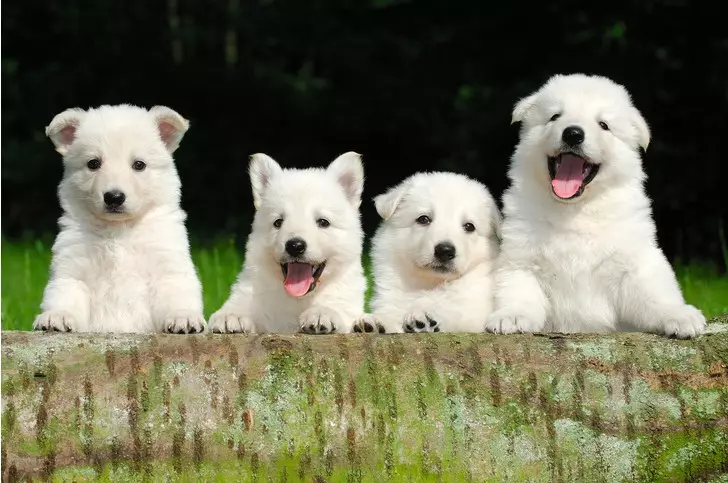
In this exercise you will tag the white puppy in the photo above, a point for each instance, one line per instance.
(579, 252)
(121, 262)
(302, 267)
(432, 256)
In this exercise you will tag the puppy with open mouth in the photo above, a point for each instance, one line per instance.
(432, 256)
(579, 250)
(302, 269)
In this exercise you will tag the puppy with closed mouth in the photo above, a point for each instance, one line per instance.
(432, 256)
(579, 250)
(302, 270)
(121, 261)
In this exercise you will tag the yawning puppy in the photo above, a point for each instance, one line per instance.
(579, 252)
(303, 267)
(432, 256)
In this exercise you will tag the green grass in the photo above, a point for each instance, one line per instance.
(25, 273)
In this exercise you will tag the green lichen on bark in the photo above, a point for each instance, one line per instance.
(426, 407)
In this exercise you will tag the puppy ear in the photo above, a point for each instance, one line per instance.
(262, 169)
(349, 172)
(522, 107)
(496, 221)
(62, 129)
(387, 202)
(643, 130)
(172, 127)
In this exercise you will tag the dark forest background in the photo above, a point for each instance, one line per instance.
(412, 85)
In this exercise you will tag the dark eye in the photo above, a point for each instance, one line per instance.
(138, 165)
(423, 220)
(555, 116)
(278, 223)
(323, 223)
(469, 227)
(94, 164)
(604, 125)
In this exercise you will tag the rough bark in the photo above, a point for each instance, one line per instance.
(427, 407)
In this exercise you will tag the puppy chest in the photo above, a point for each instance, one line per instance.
(119, 281)
(580, 293)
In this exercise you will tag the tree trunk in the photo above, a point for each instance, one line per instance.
(427, 407)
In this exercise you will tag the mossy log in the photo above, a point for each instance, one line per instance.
(360, 407)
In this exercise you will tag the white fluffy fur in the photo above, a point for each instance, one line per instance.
(258, 302)
(411, 295)
(129, 271)
(591, 264)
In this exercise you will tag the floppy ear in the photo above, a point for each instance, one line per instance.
(62, 129)
(522, 107)
(387, 202)
(262, 169)
(349, 172)
(643, 130)
(172, 127)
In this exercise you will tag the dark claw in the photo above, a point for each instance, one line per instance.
(408, 328)
(311, 329)
(436, 329)
(381, 329)
(333, 329)
(181, 331)
(357, 329)
(420, 324)
(368, 327)
(431, 321)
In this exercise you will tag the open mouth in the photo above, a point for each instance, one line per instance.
(570, 174)
(114, 210)
(301, 278)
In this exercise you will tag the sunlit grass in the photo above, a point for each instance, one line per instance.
(25, 272)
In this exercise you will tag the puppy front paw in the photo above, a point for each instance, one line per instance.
(55, 321)
(230, 323)
(502, 322)
(420, 321)
(683, 322)
(319, 320)
(184, 323)
(369, 324)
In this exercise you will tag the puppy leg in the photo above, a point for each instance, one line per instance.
(421, 320)
(177, 305)
(651, 301)
(520, 304)
(321, 320)
(234, 315)
(369, 323)
(65, 306)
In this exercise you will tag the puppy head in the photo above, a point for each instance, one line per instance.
(579, 134)
(118, 160)
(307, 220)
(439, 225)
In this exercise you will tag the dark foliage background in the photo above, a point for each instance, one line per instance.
(413, 85)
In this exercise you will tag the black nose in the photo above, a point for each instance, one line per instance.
(114, 198)
(445, 251)
(573, 136)
(295, 247)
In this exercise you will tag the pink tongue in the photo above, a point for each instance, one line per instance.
(568, 177)
(299, 278)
